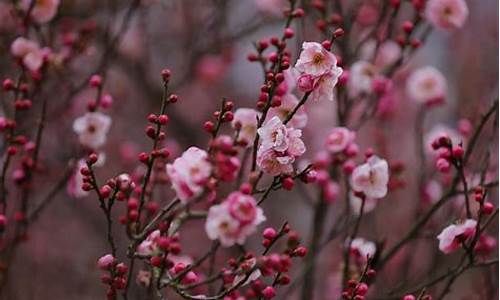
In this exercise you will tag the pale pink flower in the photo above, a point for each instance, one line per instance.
(447, 14)
(288, 103)
(274, 163)
(29, 52)
(451, 238)
(232, 221)
(361, 77)
(339, 139)
(325, 84)
(371, 178)
(149, 246)
(426, 85)
(433, 191)
(355, 203)
(43, 11)
(362, 249)
(189, 173)
(315, 60)
(274, 135)
(92, 129)
(247, 119)
(388, 53)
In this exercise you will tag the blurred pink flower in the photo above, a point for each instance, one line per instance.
(247, 119)
(427, 85)
(361, 77)
(451, 238)
(362, 249)
(447, 14)
(29, 52)
(339, 139)
(92, 129)
(43, 11)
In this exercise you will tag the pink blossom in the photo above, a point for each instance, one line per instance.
(43, 11)
(426, 85)
(315, 60)
(362, 249)
(274, 163)
(305, 83)
(438, 131)
(325, 84)
(361, 77)
(355, 203)
(232, 221)
(29, 52)
(447, 14)
(451, 238)
(339, 139)
(189, 173)
(92, 129)
(274, 135)
(143, 278)
(371, 178)
(288, 103)
(388, 53)
(247, 119)
(149, 245)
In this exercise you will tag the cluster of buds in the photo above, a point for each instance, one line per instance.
(254, 269)
(357, 289)
(486, 207)
(116, 274)
(448, 154)
(224, 115)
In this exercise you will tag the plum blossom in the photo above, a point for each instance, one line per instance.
(247, 119)
(30, 53)
(279, 148)
(276, 136)
(362, 248)
(447, 14)
(355, 203)
(324, 85)
(315, 60)
(339, 139)
(361, 76)
(318, 71)
(189, 173)
(288, 103)
(43, 10)
(371, 178)
(451, 238)
(92, 129)
(149, 246)
(426, 85)
(387, 54)
(232, 221)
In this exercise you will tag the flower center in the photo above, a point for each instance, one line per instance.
(318, 59)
